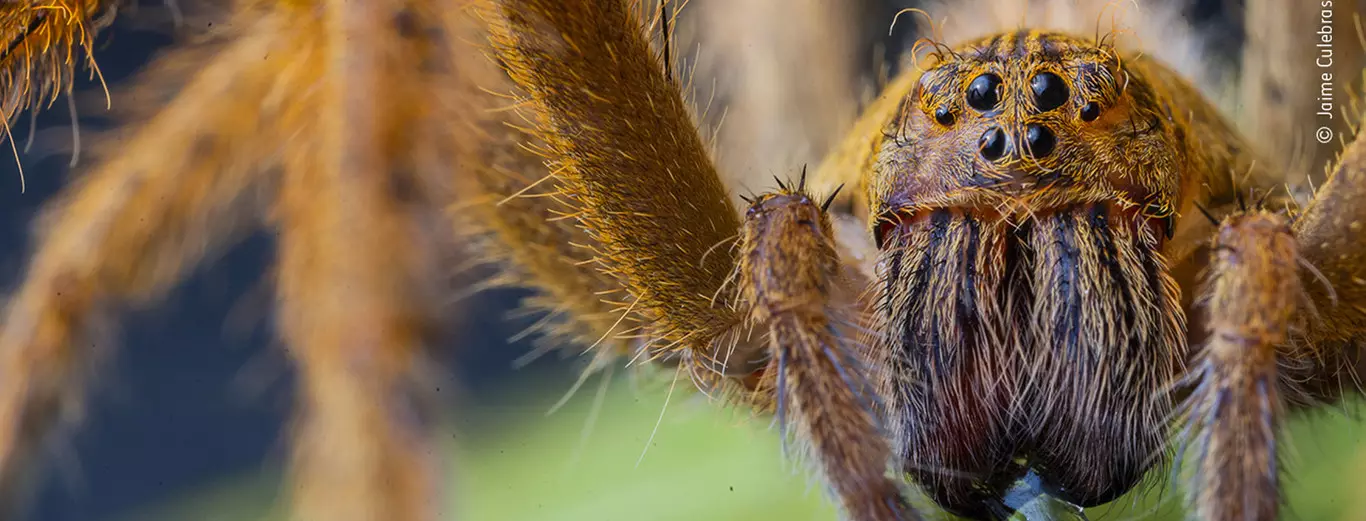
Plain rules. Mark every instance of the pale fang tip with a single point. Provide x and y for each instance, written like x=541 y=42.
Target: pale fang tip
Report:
x=1030 y=503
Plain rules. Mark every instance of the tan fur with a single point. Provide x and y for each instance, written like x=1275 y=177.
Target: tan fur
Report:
x=159 y=202
x=1330 y=234
x=355 y=299
x=785 y=267
x=1253 y=296
x=659 y=215
x=262 y=99
x=512 y=207
x=43 y=42
x=789 y=275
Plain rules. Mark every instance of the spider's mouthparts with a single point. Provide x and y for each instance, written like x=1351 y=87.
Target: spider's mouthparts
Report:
x=1029 y=500
x=1025 y=344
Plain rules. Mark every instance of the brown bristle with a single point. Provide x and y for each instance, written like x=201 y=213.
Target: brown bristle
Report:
x=1230 y=420
x=820 y=381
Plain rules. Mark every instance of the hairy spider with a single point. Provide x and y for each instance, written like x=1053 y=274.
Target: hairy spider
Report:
x=1003 y=303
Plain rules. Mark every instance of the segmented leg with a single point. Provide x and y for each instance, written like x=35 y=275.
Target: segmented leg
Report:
x=362 y=191
x=1283 y=299
x=353 y=310
x=1330 y=233
x=790 y=274
x=1253 y=295
x=344 y=100
x=161 y=201
x=352 y=269
x=1333 y=253
x=631 y=163
x=514 y=208
x=629 y=159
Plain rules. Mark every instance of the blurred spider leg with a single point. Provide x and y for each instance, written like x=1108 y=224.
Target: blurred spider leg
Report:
x=357 y=303
x=1333 y=260
x=789 y=275
x=632 y=164
x=158 y=203
x=1253 y=292
x=354 y=317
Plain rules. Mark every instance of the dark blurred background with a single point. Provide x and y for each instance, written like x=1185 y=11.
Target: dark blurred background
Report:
x=190 y=396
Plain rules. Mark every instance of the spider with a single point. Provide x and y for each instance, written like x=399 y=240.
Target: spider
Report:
x=1035 y=259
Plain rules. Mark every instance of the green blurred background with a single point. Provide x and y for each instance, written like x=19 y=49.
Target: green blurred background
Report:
x=707 y=463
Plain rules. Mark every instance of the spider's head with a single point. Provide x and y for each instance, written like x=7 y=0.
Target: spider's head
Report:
x=1027 y=122
x=1021 y=201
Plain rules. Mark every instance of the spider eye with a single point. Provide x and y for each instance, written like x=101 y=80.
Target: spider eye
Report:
x=983 y=92
x=1050 y=92
x=992 y=144
x=1090 y=111
x=943 y=116
x=1040 y=139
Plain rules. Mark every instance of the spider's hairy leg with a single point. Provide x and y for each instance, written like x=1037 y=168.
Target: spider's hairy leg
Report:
x=41 y=43
x=360 y=452
x=634 y=167
x=358 y=255
x=1278 y=291
x=790 y=274
x=161 y=201
x=630 y=160
x=359 y=449
x=512 y=206
x=1231 y=417
x=1329 y=232
x=524 y=233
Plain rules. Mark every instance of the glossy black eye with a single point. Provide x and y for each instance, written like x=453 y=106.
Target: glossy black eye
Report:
x=1040 y=140
x=992 y=144
x=1050 y=92
x=1090 y=111
x=943 y=116
x=983 y=92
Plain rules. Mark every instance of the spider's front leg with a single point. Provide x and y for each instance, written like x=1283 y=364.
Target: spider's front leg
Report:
x=1252 y=295
x=1285 y=317
x=791 y=279
x=637 y=174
